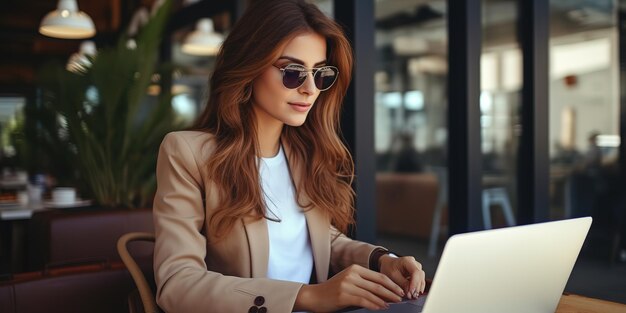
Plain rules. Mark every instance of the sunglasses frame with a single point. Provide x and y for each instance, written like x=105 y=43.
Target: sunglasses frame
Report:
x=313 y=70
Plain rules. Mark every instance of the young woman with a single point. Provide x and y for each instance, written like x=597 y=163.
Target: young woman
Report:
x=252 y=203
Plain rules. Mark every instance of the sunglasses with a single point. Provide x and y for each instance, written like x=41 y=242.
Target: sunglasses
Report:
x=294 y=75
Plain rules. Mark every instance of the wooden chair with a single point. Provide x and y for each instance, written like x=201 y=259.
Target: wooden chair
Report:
x=148 y=301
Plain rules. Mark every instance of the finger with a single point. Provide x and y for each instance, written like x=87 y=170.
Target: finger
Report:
x=422 y=282
x=412 y=270
x=363 y=298
x=365 y=303
x=381 y=279
x=378 y=290
x=401 y=280
x=418 y=282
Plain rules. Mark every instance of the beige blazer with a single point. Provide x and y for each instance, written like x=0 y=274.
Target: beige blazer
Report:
x=194 y=274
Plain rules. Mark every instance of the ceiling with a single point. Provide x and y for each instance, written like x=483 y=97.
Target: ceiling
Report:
x=424 y=21
x=24 y=49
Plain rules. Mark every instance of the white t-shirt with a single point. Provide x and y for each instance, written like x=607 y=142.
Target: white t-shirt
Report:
x=290 y=255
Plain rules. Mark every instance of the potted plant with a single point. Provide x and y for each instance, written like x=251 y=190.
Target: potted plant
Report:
x=97 y=123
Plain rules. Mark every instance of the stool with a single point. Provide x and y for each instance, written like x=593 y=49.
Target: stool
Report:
x=492 y=195
x=442 y=200
x=499 y=196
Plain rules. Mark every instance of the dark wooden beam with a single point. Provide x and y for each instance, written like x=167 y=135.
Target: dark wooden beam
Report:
x=622 y=62
x=357 y=17
x=533 y=162
x=464 y=140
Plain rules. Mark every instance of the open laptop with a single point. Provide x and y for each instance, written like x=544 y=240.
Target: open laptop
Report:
x=517 y=269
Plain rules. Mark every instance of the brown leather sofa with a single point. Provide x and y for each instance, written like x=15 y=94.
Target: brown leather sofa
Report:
x=58 y=241
x=405 y=203
x=64 y=236
x=70 y=289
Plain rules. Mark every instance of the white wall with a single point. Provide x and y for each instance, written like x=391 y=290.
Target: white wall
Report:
x=594 y=98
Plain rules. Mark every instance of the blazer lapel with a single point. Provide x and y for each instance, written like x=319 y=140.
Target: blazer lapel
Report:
x=258 y=243
x=319 y=233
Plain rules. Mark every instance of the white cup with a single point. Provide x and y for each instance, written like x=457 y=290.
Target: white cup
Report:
x=35 y=193
x=64 y=195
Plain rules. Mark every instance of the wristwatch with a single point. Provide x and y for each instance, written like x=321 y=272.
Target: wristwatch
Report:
x=376 y=255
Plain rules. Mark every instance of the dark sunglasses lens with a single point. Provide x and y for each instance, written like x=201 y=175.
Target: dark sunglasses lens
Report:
x=325 y=77
x=293 y=78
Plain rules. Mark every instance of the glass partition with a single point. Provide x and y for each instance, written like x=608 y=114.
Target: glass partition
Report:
x=501 y=83
x=410 y=127
x=584 y=139
x=584 y=104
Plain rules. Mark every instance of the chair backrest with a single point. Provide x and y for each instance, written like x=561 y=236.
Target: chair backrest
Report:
x=145 y=291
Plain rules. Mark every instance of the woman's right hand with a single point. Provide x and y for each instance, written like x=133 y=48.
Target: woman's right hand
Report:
x=354 y=286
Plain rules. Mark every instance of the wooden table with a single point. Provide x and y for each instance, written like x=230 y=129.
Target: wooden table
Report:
x=14 y=223
x=579 y=304
x=19 y=212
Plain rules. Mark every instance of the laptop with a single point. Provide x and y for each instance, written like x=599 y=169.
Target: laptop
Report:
x=520 y=269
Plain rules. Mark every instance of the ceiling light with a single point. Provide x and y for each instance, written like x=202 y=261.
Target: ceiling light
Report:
x=204 y=40
x=67 y=22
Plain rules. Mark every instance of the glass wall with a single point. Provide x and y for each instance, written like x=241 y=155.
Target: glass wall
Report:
x=501 y=82
x=11 y=120
x=410 y=126
x=584 y=139
x=584 y=104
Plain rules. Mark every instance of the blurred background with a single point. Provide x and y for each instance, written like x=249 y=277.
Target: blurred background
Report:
x=88 y=114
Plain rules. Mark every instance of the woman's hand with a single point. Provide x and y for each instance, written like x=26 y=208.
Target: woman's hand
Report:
x=354 y=286
x=406 y=272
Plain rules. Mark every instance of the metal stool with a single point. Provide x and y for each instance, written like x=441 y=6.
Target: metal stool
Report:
x=499 y=196
x=442 y=200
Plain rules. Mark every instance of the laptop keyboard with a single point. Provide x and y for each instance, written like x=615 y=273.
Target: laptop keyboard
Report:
x=408 y=306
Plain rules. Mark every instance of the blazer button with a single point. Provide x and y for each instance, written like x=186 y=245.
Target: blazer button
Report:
x=262 y=310
x=259 y=301
x=253 y=309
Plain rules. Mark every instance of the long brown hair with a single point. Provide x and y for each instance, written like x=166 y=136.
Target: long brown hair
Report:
x=328 y=170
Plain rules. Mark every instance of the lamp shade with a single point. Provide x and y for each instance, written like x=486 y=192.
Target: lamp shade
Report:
x=203 y=41
x=67 y=22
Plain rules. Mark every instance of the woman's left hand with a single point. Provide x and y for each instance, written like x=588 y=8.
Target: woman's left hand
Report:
x=406 y=272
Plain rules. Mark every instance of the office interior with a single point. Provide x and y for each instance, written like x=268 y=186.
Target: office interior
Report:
x=527 y=127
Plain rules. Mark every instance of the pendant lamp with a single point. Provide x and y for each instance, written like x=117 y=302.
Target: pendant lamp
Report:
x=204 y=40
x=67 y=22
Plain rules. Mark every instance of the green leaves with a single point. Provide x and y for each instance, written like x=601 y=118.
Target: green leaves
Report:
x=112 y=130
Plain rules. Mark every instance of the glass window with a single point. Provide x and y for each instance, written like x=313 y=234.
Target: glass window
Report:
x=584 y=104
x=584 y=139
x=411 y=127
x=325 y=6
x=11 y=127
x=501 y=82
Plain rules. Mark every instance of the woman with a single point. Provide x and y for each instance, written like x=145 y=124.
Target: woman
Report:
x=251 y=204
